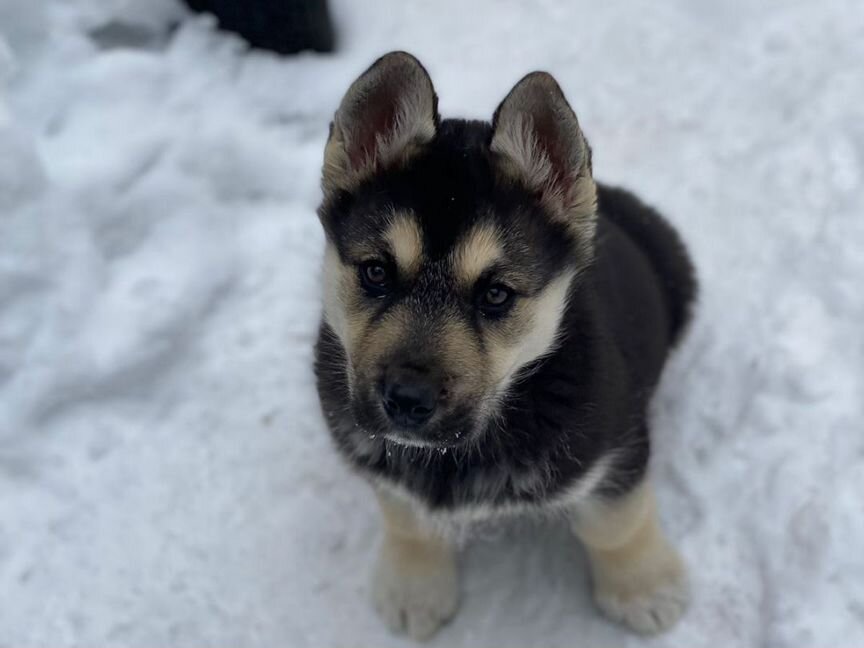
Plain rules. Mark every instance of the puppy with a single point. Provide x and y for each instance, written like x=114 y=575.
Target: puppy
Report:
x=494 y=325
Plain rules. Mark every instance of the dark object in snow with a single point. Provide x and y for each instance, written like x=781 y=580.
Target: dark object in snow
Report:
x=283 y=26
x=119 y=35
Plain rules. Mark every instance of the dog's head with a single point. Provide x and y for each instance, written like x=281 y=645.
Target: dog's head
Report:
x=451 y=247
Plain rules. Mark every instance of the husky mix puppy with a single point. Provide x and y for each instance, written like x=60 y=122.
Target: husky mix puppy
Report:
x=495 y=323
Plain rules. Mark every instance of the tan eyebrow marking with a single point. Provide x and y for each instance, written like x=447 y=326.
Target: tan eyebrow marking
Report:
x=476 y=253
x=406 y=242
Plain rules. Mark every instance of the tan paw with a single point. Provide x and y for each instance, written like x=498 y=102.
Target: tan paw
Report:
x=648 y=595
x=416 y=601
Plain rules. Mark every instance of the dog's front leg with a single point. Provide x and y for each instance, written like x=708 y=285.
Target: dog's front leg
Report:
x=639 y=579
x=415 y=583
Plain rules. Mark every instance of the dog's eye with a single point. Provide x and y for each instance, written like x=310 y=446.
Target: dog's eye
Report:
x=496 y=299
x=496 y=295
x=375 y=278
x=376 y=274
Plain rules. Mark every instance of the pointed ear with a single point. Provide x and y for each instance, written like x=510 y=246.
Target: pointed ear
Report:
x=386 y=116
x=539 y=144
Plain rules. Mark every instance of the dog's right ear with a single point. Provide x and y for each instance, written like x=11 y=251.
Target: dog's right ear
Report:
x=386 y=116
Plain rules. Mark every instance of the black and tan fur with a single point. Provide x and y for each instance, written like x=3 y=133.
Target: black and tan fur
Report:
x=539 y=407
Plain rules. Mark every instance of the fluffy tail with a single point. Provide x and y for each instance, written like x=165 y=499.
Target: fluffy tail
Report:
x=662 y=245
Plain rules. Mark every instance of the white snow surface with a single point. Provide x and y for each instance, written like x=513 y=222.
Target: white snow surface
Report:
x=166 y=478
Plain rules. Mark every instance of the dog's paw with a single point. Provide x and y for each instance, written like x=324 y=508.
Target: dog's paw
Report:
x=648 y=596
x=415 y=598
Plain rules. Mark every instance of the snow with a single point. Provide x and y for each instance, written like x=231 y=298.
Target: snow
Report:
x=165 y=474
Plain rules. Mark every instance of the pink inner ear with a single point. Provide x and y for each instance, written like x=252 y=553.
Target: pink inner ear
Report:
x=378 y=117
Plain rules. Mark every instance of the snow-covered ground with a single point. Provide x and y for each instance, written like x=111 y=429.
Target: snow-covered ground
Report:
x=165 y=475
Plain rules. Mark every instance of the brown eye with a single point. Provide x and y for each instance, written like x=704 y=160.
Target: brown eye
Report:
x=376 y=274
x=375 y=278
x=496 y=300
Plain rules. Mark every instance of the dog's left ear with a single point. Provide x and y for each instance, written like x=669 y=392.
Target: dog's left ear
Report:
x=386 y=116
x=538 y=143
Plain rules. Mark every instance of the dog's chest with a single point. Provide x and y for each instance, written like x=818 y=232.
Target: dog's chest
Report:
x=465 y=520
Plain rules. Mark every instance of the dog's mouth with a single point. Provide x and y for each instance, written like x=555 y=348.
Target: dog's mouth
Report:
x=439 y=436
x=450 y=429
x=438 y=441
x=410 y=441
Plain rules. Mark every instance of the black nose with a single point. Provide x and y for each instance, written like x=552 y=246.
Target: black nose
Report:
x=409 y=396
